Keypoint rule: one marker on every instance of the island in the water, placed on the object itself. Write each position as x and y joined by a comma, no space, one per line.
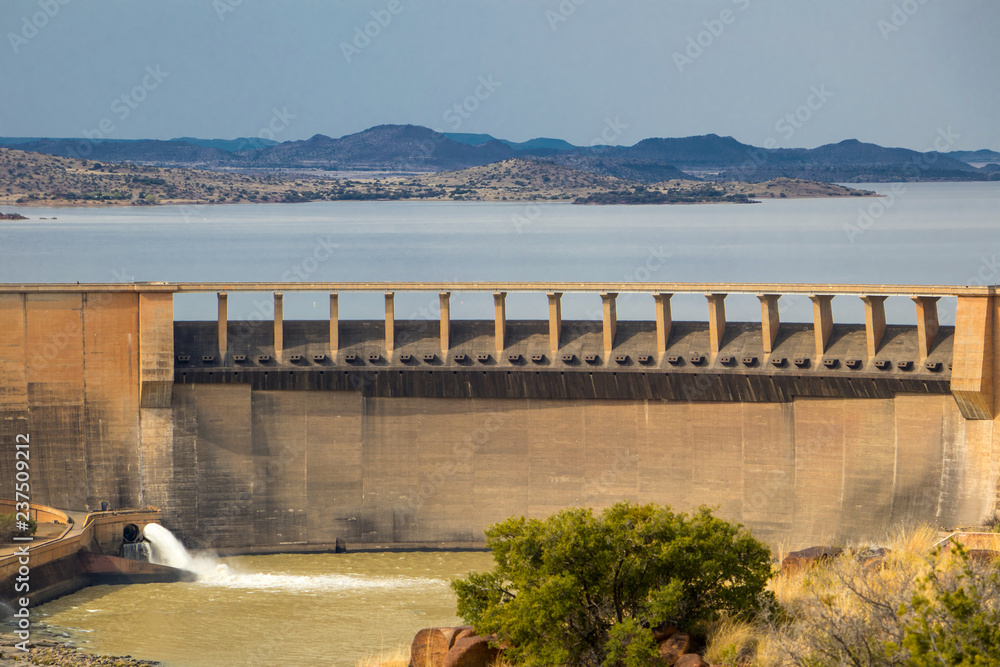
11,216
36,179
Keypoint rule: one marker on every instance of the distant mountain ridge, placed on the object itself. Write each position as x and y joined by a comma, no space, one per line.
230,145
418,149
982,155
383,148
538,144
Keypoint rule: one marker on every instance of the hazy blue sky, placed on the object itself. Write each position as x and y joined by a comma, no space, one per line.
898,73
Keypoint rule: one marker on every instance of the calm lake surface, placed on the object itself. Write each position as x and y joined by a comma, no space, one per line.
317,609
922,233
332,609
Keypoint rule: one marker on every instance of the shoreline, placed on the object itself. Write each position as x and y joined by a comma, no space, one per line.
8,204
48,647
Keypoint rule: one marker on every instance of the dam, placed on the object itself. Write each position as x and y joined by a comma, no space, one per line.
299,435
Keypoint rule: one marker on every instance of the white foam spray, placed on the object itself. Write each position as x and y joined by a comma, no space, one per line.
167,550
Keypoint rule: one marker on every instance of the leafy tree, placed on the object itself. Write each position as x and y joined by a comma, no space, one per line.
575,589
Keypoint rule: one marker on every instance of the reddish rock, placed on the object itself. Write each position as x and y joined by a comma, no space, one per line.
431,645
473,651
663,631
463,632
672,649
873,558
690,660
798,561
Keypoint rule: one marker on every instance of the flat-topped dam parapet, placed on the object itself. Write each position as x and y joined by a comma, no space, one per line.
291,434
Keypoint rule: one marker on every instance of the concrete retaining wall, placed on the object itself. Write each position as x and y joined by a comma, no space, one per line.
302,469
55,568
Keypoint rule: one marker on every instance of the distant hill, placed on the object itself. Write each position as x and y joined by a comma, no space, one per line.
708,150
417,149
539,146
520,179
726,159
627,168
36,179
854,152
382,148
849,161
470,138
31,178
975,156
150,151
230,145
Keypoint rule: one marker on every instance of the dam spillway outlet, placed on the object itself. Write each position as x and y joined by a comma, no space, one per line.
136,551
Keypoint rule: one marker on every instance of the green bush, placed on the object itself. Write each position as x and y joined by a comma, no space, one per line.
575,589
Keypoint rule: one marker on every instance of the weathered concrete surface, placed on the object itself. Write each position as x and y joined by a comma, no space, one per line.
394,449
299,468
69,367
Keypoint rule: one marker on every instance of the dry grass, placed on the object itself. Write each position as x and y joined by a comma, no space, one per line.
730,641
400,657
397,657
845,601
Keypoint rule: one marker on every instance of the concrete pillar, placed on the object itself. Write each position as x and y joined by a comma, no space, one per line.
770,321
334,325
445,322
279,326
874,322
223,326
927,323
390,324
608,303
973,357
716,322
555,320
663,322
500,321
156,349
822,321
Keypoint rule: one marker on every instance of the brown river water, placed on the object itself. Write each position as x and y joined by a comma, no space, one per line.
288,609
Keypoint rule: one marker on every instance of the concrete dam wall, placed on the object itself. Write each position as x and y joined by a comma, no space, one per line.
290,435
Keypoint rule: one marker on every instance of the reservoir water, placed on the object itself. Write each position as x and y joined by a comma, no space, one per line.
333,609
317,609
919,233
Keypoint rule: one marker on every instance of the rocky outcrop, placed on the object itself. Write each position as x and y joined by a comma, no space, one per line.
798,561
471,651
673,648
462,647
690,660
431,645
